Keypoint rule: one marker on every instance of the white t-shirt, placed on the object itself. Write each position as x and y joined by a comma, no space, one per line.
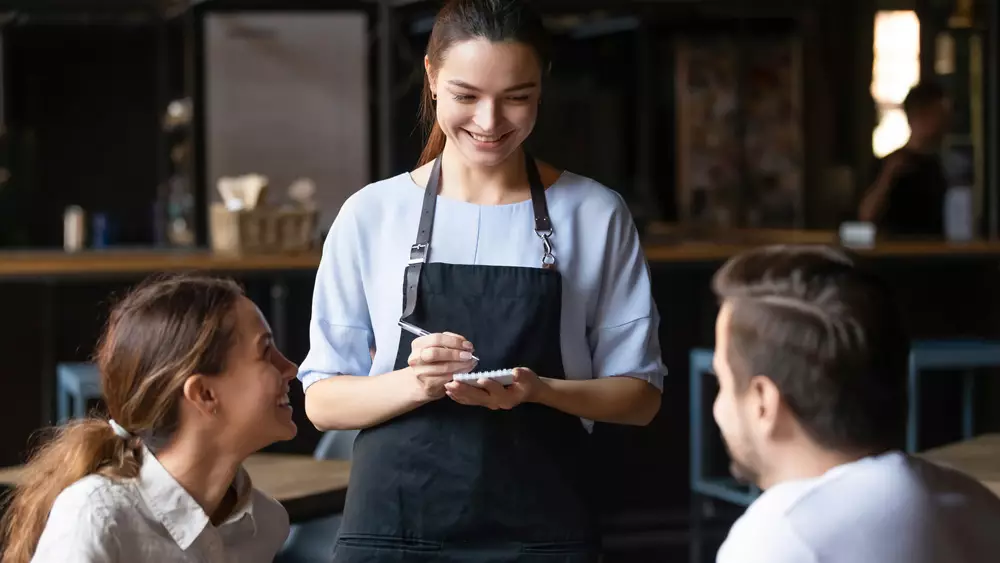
890,508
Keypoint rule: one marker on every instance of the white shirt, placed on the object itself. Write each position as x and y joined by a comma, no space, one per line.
152,518
609,321
891,508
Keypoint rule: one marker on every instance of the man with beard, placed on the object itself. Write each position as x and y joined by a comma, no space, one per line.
907,197
811,358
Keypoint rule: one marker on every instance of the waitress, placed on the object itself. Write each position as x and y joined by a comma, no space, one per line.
506,263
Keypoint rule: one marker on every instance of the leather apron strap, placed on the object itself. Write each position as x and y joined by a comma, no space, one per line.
422,246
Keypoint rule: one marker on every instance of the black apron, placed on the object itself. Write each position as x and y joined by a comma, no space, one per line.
453,483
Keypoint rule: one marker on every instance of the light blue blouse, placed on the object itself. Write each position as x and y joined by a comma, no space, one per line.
609,320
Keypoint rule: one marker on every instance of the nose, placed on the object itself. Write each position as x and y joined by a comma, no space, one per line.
287,367
486,115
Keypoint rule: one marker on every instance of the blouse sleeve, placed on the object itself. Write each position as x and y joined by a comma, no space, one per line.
624,339
340,330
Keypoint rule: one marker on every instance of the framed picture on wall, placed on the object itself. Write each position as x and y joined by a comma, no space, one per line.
740,159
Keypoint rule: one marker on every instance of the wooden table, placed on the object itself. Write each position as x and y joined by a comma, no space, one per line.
308,488
978,458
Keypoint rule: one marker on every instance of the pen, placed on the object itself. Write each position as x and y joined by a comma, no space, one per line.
416,330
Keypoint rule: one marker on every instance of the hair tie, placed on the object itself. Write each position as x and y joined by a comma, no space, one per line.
119,431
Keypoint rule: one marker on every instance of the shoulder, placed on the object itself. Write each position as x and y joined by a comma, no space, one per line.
373,207
269,515
95,499
87,520
765,534
379,197
590,200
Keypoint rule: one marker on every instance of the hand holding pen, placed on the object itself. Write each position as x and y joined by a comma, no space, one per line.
436,357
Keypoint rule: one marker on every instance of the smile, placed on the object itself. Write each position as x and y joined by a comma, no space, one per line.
487,139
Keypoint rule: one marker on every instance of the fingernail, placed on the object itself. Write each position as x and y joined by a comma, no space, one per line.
465,355
467,345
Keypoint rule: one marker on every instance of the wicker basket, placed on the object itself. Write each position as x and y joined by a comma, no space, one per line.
265,230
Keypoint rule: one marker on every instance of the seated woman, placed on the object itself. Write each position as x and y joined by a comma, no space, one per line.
194,385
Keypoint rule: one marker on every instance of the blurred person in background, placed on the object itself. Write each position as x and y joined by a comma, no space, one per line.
907,197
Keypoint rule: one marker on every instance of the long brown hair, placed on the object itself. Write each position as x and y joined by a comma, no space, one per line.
460,20
162,332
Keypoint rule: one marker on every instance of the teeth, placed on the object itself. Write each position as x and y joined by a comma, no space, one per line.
485,139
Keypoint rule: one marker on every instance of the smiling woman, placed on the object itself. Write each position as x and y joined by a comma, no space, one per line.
444,468
194,386
493,80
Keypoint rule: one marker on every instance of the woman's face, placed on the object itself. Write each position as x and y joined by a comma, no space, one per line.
487,98
252,392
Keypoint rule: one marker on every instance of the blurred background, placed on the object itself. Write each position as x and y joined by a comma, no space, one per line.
723,123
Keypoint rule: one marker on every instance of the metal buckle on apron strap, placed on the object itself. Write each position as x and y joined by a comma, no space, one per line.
418,254
548,259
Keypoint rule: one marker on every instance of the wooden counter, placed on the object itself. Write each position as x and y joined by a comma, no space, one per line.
52,264
671,243
709,252
96,263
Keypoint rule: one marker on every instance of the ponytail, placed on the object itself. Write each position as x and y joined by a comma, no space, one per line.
428,116
79,448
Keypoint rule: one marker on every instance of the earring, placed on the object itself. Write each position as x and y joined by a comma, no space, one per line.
434,96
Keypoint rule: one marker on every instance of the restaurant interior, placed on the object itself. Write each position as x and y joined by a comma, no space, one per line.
724,125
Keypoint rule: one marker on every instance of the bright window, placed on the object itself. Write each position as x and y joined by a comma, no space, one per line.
895,69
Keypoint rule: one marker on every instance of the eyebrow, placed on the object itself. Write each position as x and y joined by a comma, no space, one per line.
467,86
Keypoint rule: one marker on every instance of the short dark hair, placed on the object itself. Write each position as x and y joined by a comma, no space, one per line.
829,335
923,95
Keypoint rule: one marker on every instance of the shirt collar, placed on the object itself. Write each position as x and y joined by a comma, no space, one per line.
181,515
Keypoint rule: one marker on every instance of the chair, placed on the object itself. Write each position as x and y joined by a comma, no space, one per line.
314,540
79,382
924,355
965,355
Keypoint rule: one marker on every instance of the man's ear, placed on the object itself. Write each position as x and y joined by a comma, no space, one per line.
199,393
764,401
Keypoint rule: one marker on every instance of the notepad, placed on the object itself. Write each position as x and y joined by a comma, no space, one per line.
501,376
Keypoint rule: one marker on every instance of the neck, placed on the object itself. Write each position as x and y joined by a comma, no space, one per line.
806,461
485,185
921,144
206,478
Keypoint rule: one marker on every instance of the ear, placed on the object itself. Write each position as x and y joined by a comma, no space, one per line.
200,394
763,402
430,75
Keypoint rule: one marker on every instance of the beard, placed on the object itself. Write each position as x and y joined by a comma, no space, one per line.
743,468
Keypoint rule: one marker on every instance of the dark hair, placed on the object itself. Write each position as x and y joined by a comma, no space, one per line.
829,335
161,333
922,96
461,20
